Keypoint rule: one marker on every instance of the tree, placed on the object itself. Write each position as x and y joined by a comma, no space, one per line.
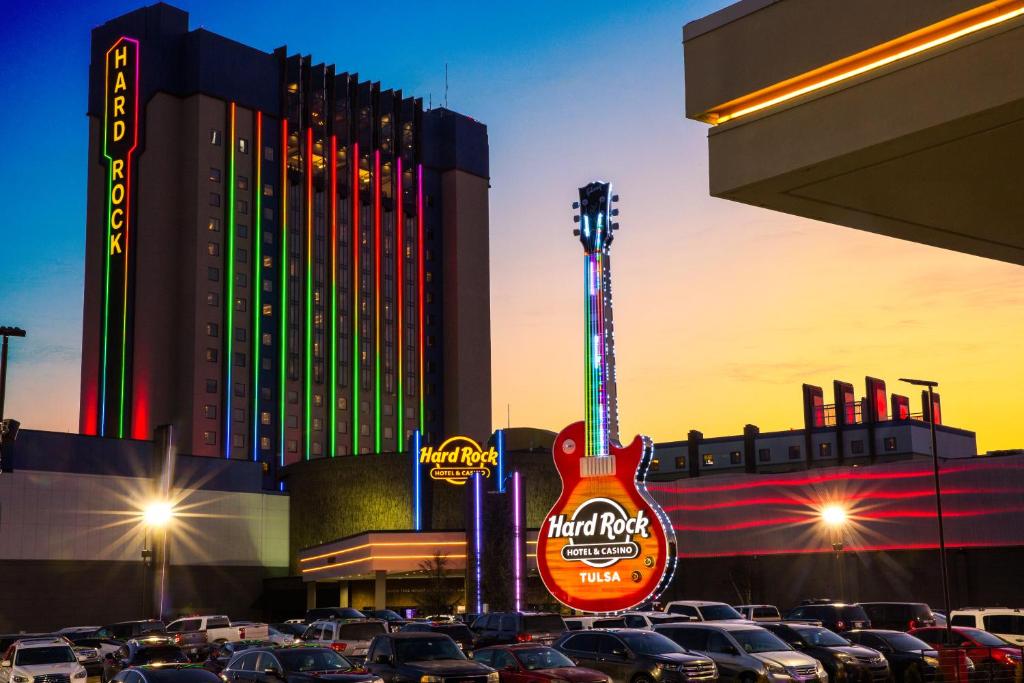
437,596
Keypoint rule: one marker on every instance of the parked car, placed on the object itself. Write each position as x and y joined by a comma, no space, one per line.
351,637
196,634
529,663
911,660
104,645
221,653
745,652
835,616
990,654
703,610
759,612
324,613
166,674
293,665
842,659
1006,623
898,616
458,632
8,639
290,634
504,628
89,657
41,659
136,652
636,655
648,620
124,630
586,623
393,619
424,658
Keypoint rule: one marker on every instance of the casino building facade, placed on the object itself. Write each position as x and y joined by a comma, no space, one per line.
283,261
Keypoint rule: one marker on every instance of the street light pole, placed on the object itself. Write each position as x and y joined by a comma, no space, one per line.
938,499
6,332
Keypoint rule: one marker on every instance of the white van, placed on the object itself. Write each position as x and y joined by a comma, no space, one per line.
1004,622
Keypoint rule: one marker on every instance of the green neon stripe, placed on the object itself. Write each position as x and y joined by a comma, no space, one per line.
106,296
229,334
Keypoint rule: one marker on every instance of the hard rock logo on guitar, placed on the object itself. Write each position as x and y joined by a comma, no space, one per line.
606,545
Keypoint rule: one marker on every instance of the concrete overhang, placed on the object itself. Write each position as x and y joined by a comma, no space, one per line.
899,118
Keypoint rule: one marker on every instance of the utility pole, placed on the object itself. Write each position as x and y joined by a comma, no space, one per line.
8,428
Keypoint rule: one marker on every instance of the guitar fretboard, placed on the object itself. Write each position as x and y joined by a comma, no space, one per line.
599,355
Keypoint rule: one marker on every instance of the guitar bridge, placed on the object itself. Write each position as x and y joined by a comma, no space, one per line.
597,466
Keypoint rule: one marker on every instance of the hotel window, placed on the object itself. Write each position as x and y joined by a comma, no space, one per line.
237,440
343,403
242,230
317,448
243,206
212,274
241,280
210,438
265,443
243,145
890,443
268,190
268,309
265,363
211,355
214,136
238,414
211,386
318,424
214,175
213,225
212,299
655,465
318,400
794,452
268,213
242,256
268,153
211,329
825,450
857,447
240,390
214,199
268,237
266,337
764,454
268,285
292,421
239,360
293,446
268,261
709,459
680,462
210,411
239,304
735,458
212,248
293,397
243,183
364,430
265,418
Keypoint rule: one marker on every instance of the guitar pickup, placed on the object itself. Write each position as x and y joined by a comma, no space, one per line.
597,466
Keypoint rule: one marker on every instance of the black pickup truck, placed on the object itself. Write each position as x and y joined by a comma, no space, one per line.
410,657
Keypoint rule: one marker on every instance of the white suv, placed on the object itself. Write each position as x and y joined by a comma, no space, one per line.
1004,622
41,660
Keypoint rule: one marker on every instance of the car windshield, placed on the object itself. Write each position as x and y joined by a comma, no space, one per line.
160,655
542,658
648,643
822,637
387,614
543,623
312,660
984,638
361,631
455,631
904,642
759,641
31,656
426,649
717,612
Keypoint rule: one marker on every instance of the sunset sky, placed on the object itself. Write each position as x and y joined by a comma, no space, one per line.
721,310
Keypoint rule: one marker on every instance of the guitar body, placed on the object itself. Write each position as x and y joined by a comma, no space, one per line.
606,546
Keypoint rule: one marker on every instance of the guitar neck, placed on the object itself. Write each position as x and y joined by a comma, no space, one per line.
600,397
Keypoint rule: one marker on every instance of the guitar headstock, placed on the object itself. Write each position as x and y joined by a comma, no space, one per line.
594,216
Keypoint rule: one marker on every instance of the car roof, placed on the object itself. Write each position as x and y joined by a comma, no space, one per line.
882,631
410,635
42,642
515,646
721,625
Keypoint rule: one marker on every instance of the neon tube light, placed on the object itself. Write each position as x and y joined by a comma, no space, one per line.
517,539
309,287
256,286
399,192
369,558
357,298
333,410
376,299
499,440
478,540
229,286
283,313
420,275
934,35
417,485
383,544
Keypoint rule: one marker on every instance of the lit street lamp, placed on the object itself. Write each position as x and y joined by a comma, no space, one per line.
834,518
938,498
157,516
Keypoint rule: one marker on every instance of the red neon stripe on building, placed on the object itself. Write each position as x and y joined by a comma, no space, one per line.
817,551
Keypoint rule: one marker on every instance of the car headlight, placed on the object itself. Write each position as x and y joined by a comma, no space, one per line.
775,669
494,677
668,666
80,674
20,679
970,663
931,661
845,658
818,668
437,679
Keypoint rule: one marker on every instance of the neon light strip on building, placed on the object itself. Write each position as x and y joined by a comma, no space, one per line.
384,544
417,483
112,246
422,281
378,557
517,541
377,299
256,286
499,442
399,193
229,290
478,541
309,289
333,410
357,298
283,313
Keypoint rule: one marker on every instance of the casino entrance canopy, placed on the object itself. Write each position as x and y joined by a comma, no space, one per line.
900,118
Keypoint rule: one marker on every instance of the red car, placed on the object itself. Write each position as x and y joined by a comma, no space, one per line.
989,652
532,663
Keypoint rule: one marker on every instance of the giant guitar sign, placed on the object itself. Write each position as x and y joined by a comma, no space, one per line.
606,545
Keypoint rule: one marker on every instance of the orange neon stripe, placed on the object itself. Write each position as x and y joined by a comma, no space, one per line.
383,545
908,45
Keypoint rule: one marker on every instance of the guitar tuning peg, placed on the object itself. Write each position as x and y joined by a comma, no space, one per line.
615,212
575,219
576,232
615,197
615,226
575,205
